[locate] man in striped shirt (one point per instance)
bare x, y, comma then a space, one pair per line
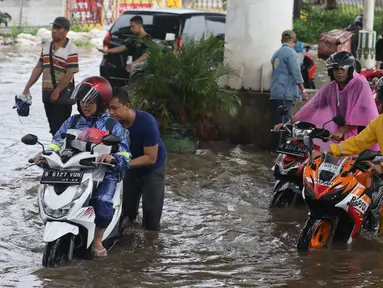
65, 64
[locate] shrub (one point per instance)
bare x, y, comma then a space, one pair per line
79, 28
81, 43
184, 87
18, 30
316, 21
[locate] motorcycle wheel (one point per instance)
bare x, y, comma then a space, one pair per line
315, 234
56, 252
284, 199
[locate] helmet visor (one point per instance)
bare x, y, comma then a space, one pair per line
337, 66
85, 92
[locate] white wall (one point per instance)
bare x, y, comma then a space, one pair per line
253, 34
35, 12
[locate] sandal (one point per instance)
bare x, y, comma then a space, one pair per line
99, 252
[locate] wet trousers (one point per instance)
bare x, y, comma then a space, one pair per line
102, 201
56, 113
152, 189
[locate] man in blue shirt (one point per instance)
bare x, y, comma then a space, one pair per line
300, 46
146, 175
287, 78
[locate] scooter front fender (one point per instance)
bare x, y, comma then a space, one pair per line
54, 230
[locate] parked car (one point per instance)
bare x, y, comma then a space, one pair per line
173, 25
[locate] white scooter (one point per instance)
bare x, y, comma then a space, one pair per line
64, 197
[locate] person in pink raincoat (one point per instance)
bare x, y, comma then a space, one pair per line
348, 95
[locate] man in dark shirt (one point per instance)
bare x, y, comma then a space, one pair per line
146, 175
137, 47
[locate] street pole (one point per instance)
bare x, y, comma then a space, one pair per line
21, 12
252, 37
367, 37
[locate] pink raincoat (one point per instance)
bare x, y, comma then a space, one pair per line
354, 103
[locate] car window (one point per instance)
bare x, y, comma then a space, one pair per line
215, 25
157, 25
194, 27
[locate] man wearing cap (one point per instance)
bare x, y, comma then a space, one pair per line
58, 63
286, 82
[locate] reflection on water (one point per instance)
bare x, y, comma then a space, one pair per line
216, 231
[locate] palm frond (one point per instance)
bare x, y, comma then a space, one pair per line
186, 84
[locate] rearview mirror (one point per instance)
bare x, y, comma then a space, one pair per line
110, 140
339, 120
30, 139
282, 110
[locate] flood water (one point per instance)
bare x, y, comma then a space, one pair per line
216, 228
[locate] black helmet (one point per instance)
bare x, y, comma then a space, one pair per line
343, 60
359, 20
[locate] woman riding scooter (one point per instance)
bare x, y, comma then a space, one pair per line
93, 96
348, 95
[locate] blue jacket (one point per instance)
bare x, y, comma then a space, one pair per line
286, 74
123, 155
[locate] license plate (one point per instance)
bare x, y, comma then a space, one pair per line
295, 150
330, 167
61, 177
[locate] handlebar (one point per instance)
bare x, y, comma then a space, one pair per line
86, 162
42, 163
93, 162
316, 133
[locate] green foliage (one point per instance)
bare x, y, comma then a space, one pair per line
184, 87
78, 28
18, 30
5, 18
317, 21
81, 43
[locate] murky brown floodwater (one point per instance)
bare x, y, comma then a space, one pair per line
216, 229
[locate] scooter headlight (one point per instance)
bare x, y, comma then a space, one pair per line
57, 213
81, 189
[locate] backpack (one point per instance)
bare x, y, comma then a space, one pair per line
110, 123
